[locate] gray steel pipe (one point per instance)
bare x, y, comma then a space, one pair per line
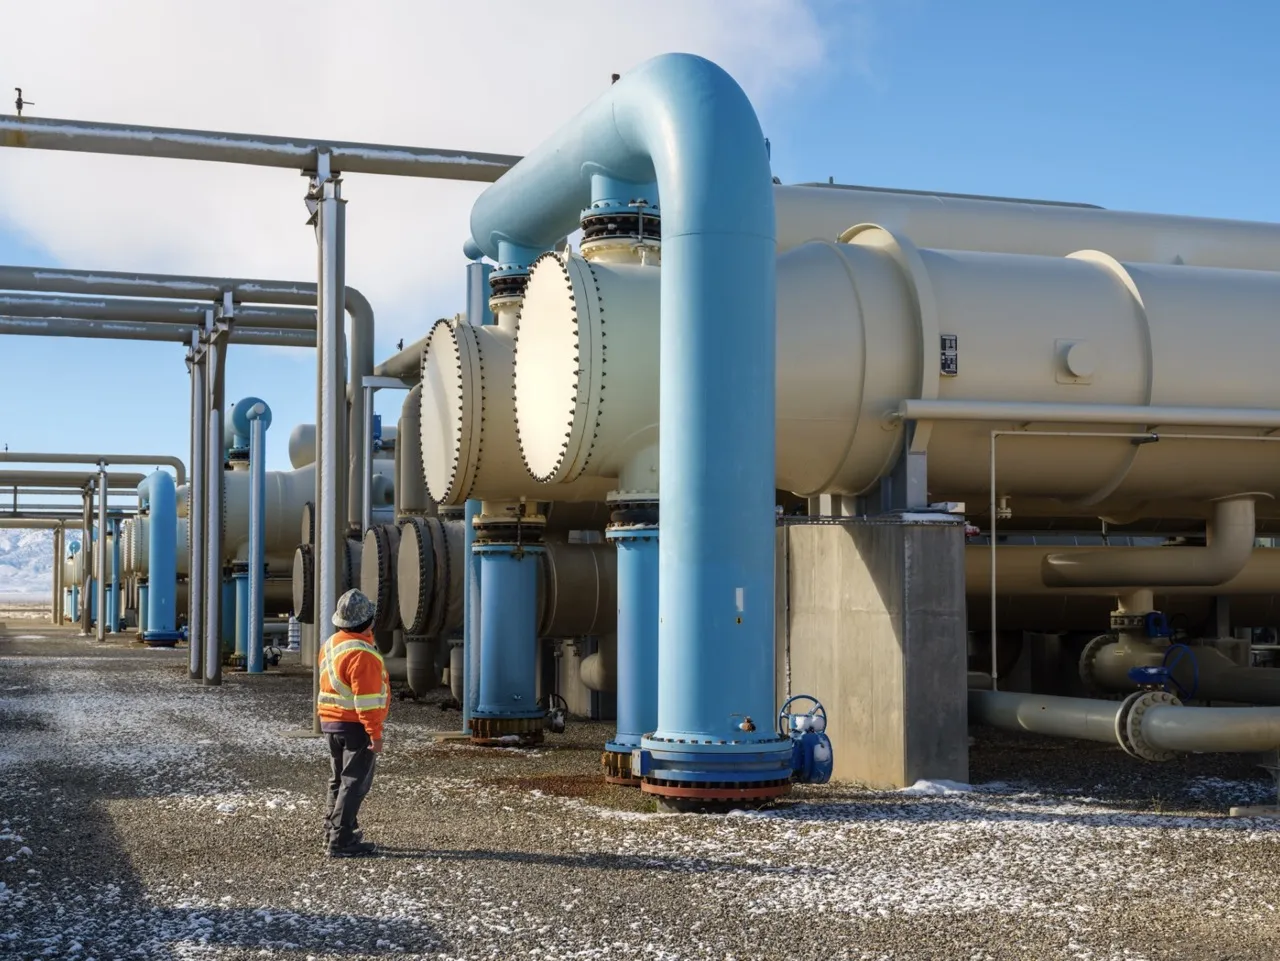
196, 512
1165, 727
103, 487
215, 359
144, 311
1127, 415
1228, 730
86, 545
164, 333
407, 364
257, 522
1205, 671
167, 460
1229, 545
118, 283
295, 153
67, 478
1075, 717
34, 523
411, 485
330, 534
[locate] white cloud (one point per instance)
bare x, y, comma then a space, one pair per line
497, 76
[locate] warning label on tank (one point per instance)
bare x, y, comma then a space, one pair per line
950, 355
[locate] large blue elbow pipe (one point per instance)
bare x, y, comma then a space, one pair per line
158, 495
683, 122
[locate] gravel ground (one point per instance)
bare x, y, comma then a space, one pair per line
142, 816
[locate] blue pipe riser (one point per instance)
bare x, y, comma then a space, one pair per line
75, 602
161, 603
508, 631
143, 592
637, 632
241, 581
113, 598
227, 622
683, 122
471, 614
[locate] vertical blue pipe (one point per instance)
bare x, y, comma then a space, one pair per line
637, 637
227, 627
470, 620
508, 632
683, 122
259, 421
240, 584
75, 602
158, 494
478, 315
113, 602
143, 613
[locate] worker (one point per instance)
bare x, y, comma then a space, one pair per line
355, 695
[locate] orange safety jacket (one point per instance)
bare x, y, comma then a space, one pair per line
353, 682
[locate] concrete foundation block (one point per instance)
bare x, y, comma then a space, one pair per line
871, 621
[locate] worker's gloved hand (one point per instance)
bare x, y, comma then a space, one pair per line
376, 745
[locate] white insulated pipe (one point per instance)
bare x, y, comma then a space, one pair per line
1205, 730
167, 460
1008, 226
1229, 546
165, 333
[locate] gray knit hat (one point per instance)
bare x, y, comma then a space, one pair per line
354, 609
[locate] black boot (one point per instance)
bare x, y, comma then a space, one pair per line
355, 849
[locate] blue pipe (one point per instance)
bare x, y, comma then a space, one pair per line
508, 696
227, 622
143, 613
470, 620
240, 584
75, 602
256, 415
637, 644
113, 596
158, 496
683, 122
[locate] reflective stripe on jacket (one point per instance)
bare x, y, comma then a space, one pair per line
353, 682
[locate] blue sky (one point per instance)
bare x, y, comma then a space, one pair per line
1140, 105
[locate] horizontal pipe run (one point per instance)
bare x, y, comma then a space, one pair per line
1119, 414
68, 478
41, 523
1231, 533
164, 333
168, 460
1073, 717
142, 310
1229, 730
405, 365
259, 151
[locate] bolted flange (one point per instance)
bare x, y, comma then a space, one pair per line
1129, 724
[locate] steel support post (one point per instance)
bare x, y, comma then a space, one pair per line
215, 357
196, 506
257, 524
330, 221
101, 553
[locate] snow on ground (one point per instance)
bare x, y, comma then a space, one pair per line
149, 817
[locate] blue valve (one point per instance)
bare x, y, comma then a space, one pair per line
811, 756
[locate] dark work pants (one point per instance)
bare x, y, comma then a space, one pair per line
352, 762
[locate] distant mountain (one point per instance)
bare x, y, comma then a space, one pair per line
26, 561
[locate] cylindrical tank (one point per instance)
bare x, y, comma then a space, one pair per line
379, 552
469, 444
1027, 227
860, 328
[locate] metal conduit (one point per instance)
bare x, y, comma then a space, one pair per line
67, 478
122, 330
295, 153
168, 460
170, 286
139, 310
1229, 730
1075, 717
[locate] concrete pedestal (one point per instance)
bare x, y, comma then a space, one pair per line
871, 621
